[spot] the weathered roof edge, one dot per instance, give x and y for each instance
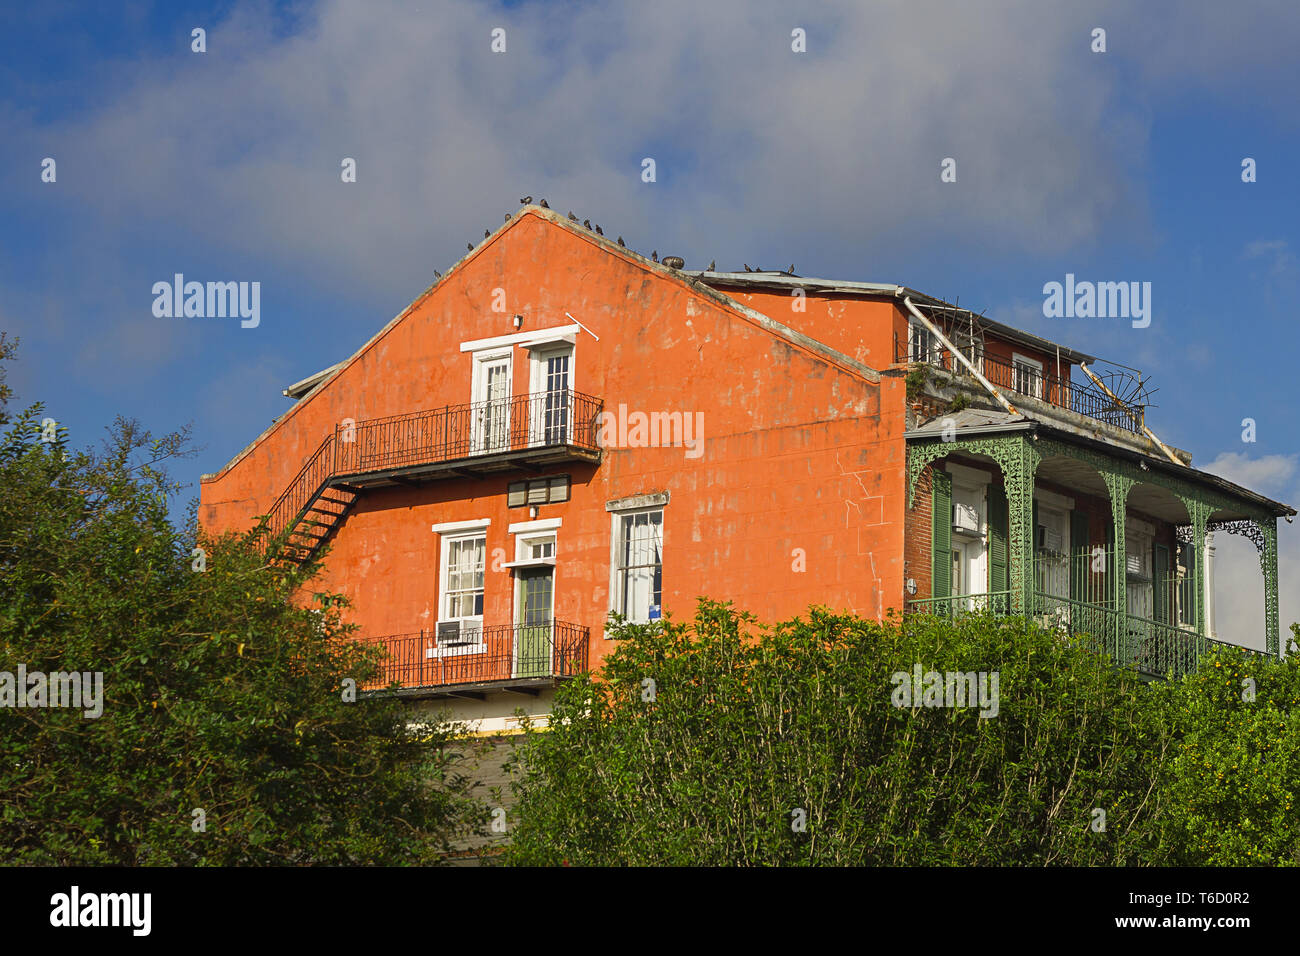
(784, 280)
(1187, 472)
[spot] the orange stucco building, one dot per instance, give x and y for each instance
(560, 428)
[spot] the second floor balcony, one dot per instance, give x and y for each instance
(523, 432)
(471, 662)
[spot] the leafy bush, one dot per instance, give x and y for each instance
(744, 727)
(220, 693)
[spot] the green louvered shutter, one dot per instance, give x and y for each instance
(1159, 579)
(941, 535)
(997, 539)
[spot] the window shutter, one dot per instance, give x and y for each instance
(1080, 556)
(941, 536)
(997, 538)
(1159, 577)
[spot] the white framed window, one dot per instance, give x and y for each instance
(462, 578)
(550, 389)
(922, 346)
(637, 587)
(490, 393)
(1026, 375)
(969, 531)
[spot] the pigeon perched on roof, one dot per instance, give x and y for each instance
(437, 274)
(526, 200)
(791, 268)
(599, 231)
(543, 204)
(586, 224)
(747, 268)
(486, 233)
(621, 242)
(469, 246)
(654, 256)
(713, 265)
(572, 217)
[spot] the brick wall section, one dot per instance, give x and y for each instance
(916, 556)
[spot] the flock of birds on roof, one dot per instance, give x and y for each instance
(674, 262)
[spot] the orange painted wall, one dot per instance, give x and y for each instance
(798, 453)
(862, 329)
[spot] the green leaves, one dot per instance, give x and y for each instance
(220, 688)
(748, 725)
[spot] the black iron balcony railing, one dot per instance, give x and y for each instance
(507, 652)
(553, 419)
(540, 420)
(1153, 648)
(1082, 398)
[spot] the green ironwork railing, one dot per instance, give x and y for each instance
(997, 603)
(1153, 648)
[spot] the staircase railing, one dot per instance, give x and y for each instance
(556, 417)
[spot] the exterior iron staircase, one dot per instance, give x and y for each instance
(549, 426)
(313, 506)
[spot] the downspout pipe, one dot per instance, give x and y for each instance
(970, 366)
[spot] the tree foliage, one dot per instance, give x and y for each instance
(711, 742)
(225, 736)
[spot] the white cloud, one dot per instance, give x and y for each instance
(1239, 581)
(1268, 474)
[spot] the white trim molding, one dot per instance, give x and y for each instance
(635, 502)
(541, 524)
(561, 333)
(451, 527)
(967, 475)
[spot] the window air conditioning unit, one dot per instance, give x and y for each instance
(451, 632)
(966, 518)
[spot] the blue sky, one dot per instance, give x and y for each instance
(1122, 165)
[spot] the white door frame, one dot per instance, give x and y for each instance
(538, 357)
(478, 394)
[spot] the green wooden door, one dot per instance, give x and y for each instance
(998, 518)
(533, 633)
(941, 538)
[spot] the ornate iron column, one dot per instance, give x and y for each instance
(1268, 563)
(1019, 468)
(1199, 512)
(1118, 486)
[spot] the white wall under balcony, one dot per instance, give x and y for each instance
(494, 714)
